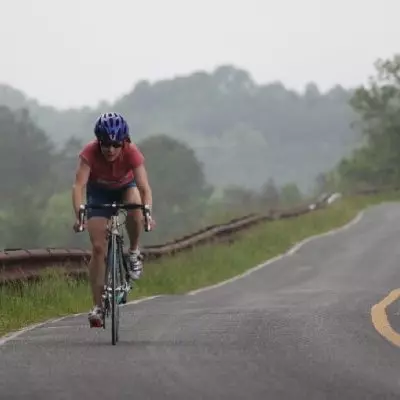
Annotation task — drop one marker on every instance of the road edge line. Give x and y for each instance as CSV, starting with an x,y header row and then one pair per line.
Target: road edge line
x,y
288,253
12,335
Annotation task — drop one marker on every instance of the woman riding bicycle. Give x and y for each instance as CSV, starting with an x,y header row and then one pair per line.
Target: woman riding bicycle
x,y
112,169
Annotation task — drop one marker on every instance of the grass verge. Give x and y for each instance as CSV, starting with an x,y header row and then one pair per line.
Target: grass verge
x,y
56,296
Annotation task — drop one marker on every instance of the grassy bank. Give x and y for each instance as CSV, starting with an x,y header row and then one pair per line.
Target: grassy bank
x,y
56,296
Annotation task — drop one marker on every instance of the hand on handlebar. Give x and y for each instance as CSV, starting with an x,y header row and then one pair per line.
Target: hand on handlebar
x,y
78,227
152,222
80,223
149,222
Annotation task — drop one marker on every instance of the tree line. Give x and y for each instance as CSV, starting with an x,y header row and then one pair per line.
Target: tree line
x,y
376,161
37,171
37,175
240,130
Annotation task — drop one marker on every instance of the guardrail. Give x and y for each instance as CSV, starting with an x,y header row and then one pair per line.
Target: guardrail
x,y
27,264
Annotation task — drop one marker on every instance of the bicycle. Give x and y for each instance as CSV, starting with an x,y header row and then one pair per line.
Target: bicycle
x,y
117,278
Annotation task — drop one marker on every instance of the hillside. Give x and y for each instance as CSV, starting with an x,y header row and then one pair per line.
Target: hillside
x,y
242,132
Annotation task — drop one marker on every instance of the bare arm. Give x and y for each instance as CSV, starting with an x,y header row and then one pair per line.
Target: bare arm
x,y
81,178
143,185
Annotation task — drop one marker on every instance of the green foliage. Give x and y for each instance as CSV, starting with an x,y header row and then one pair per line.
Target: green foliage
x,y
240,131
270,194
32,170
377,162
236,200
290,195
180,191
36,208
219,128
57,221
25,156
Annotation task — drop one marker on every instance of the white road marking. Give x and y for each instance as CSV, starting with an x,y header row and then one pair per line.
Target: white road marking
x,y
20,332
290,252
293,250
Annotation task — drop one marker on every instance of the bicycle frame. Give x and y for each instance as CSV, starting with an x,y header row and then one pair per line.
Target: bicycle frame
x,y
115,245
116,285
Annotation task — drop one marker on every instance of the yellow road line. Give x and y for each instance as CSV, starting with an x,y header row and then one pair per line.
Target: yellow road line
x,y
380,319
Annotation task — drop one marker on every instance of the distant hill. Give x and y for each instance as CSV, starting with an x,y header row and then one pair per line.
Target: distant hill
x,y
243,132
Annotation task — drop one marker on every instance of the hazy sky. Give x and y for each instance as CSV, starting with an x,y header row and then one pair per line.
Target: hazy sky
x,y
73,53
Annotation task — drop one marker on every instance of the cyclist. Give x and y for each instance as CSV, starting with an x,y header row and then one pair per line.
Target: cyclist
x,y
111,168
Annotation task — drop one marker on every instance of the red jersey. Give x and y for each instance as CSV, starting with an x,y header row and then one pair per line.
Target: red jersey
x,y
111,174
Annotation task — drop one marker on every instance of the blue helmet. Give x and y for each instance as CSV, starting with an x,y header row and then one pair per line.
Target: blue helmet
x,y
111,127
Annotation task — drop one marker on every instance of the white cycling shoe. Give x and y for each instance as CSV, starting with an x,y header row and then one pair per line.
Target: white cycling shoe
x,y
94,317
135,264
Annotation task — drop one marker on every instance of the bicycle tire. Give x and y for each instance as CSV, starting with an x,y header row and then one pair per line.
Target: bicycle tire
x,y
107,281
112,265
123,268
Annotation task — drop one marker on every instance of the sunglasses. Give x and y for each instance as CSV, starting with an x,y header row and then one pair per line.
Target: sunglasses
x,y
108,144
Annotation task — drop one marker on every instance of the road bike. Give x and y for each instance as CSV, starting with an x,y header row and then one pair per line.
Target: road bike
x,y
117,283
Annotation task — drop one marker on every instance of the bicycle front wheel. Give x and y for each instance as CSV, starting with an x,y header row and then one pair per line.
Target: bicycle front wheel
x,y
113,269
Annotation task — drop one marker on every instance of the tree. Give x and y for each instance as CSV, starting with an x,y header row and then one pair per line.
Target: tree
x,y
378,107
66,160
26,157
56,223
276,128
180,191
290,194
240,200
270,196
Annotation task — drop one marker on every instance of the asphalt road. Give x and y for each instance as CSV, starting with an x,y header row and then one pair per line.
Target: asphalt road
x,y
299,328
